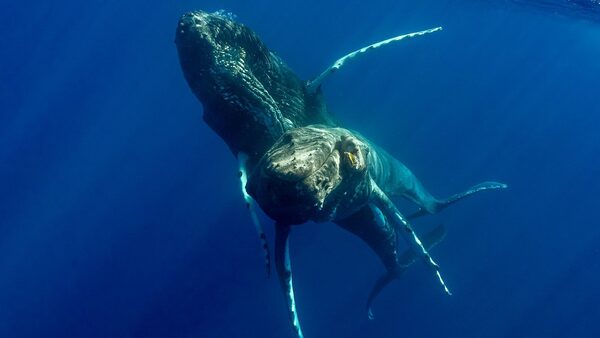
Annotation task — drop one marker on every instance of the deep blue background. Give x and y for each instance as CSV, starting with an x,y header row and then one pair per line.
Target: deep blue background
x,y
120,213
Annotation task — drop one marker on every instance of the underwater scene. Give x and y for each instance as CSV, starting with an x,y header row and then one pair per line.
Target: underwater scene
x,y
273,169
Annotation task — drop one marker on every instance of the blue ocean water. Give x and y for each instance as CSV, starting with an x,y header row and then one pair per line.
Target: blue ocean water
x,y
120,213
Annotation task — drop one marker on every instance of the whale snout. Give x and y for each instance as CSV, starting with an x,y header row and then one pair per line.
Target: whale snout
x,y
293,179
193,28
308,174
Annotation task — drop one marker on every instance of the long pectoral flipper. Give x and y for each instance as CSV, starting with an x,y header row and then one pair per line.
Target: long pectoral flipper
x,y
284,271
243,158
314,85
430,240
383,202
439,205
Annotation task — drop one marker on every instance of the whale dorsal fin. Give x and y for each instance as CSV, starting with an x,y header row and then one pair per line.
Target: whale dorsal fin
x,y
314,85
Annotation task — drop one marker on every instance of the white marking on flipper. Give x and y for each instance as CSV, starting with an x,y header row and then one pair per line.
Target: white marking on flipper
x,y
314,84
284,271
243,159
405,229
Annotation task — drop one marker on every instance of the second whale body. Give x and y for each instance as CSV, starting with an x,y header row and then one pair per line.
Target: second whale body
x,y
320,173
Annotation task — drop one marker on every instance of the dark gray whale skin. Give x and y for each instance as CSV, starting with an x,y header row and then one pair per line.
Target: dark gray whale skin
x,y
250,96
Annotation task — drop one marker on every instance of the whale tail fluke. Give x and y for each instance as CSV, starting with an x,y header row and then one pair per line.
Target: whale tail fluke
x,y
431,239
440,205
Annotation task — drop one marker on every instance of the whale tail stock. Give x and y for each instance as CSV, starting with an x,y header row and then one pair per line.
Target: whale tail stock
x,y
430,240
439,205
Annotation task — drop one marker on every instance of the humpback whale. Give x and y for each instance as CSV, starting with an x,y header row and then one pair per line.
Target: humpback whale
x,y
280,130
321,173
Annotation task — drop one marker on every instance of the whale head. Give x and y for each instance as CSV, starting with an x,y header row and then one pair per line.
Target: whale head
x,y
215,52
227,66
250,96
312,173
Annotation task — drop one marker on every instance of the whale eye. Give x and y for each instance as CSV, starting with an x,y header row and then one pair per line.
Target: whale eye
x,y
351,152
352,159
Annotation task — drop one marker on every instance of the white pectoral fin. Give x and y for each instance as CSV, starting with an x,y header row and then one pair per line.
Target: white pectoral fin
x,y
382,201
284,271
316,83
251,205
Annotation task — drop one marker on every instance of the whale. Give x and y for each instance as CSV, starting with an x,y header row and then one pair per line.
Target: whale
x,y
330,174
280,130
